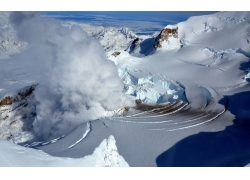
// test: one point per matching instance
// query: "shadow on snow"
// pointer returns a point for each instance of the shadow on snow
(230, 147)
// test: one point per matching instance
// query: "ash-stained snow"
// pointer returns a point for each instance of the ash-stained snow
(17, 116)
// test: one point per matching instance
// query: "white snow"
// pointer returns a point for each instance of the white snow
(83, 136)
(16, 120)
(203, 86)
(111, 38)
(105, 155)
(172, 43)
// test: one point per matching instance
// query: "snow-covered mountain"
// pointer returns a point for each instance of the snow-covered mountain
(189, 82)
(111, 38)
(9, 44)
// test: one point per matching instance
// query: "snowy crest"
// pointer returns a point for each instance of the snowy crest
(111, 38)
(168, 38)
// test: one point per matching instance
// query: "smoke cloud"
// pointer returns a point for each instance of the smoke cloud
(76, 82)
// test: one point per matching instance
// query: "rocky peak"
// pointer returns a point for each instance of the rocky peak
(134, 44)
(17, 114)
(164, 35)
(115, 54)
(8, 100)
(136, 41)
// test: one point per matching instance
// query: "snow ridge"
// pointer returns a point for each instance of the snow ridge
(105, 155)
(111, 38)
(83, 136)
(108, 154)
(9, 47)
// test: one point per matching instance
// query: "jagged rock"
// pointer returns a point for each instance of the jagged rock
(8, 100)
(5, 118)
(116, 54)
(134, 44)
(138, 102)
(111, 38)
(164, 35)
(17, 113)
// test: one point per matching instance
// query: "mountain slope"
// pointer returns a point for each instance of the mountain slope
(111, 38)
(191, 87)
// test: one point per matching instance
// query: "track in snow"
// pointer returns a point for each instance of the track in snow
(171, 116)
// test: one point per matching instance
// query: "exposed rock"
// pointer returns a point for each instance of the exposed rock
(6, 101)
(5, 118)
(116, 54)
(17, 114)
(13, 122)
(20, 96)
(138, 102)
(165, 35)
(146, 107)
(134, 43)
(111, 38)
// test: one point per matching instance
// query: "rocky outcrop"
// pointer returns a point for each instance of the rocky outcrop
(164, 35)
(111, 38)
(8, 100)
(115, 54)
(17, 114)
(134, 44)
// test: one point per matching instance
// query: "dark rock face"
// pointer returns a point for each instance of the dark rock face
(164, 36)
(115, 54)
(20, 96)
(134, 44)
(17, 115)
